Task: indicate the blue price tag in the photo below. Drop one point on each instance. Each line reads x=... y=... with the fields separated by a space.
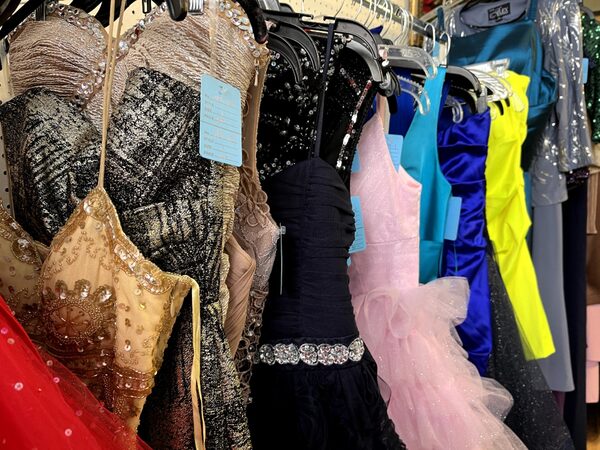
x=395 y=143
x=585 y=67
x=453 y=218
x=356 y=162
x=220 y=121
x=360 y=240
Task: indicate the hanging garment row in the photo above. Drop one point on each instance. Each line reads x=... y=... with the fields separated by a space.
x=312 y=240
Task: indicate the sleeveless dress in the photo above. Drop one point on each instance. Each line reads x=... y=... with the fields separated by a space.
x=508 y=220
x=66 y=415
x=315 y=386
x=420 y=159
x=462 y=151
x=437 y=399
x=258 y=234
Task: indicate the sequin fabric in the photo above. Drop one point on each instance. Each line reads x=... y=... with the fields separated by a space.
x=566 y=143
x=534 y=417
x=285 y=138
x=172 y=202
x=66 y=414
x=591 y=49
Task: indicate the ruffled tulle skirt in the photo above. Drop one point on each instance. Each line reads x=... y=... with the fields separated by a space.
x=436 y=398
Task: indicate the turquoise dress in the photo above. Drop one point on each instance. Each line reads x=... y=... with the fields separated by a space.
x=420 y=159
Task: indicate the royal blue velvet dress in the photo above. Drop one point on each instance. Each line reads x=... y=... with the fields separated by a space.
x=462 y=150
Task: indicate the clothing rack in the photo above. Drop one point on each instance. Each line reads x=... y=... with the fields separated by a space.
x=376 y=7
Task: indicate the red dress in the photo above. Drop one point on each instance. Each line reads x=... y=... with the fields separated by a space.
x=44 y=406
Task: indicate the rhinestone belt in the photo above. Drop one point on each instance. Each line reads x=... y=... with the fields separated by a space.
x=311 y=354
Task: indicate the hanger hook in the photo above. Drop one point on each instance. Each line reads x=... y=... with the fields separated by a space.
x=340 y=9
x=433 y=37
x=387 y=18
x=398 y=13
x=359 y=9
x=371 y=2
x=447 y=44
x=375 y=4
x=405 y=26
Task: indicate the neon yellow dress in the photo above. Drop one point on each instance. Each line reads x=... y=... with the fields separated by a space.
x=508 y=219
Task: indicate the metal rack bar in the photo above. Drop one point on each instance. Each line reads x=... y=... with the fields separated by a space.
x=378 y=8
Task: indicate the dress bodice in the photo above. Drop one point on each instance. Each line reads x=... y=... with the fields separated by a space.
x=288 y=127
x=390 y=209
x=310 y=200
x=73 y=58
x=93 y=301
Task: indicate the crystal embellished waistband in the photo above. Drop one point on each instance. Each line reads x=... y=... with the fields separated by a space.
x=311 y=354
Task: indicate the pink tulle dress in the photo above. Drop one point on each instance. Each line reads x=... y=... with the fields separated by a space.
x=436 y=398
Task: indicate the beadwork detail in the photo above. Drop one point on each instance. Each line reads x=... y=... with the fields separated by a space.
x=311 y=354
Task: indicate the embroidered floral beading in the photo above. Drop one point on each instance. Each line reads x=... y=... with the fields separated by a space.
x=110 y=329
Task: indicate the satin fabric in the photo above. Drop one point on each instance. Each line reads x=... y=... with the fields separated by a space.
x=420 y=160
x=519 y=42
x=463 y=151
x=508 y=220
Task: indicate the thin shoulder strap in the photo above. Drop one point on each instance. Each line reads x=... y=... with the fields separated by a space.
x=532 y=13
x=321 y=111
x=111 y=63
x=380 y=107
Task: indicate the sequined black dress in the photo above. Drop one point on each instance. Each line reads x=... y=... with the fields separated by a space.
x=314 y=385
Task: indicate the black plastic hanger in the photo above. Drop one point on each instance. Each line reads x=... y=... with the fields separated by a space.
x=285 y=7
x=298 y=36
x=7 y=8
x=19 y=16
x=103 y=13
x=257 y=19
x=361 y=36
x=284 y=48
x=461 y=78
